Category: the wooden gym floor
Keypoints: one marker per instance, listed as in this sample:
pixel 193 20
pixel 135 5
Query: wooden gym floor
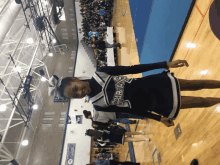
pixel 200 127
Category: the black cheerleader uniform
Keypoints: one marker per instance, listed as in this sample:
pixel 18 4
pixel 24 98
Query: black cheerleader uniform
pixel 112 135
pixel 112 92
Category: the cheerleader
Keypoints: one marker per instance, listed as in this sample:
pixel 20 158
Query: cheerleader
pixel 159 93
pixel 116 136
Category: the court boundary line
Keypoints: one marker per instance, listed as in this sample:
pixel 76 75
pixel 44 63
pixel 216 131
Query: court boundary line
pixel 199 11
pixel 183 28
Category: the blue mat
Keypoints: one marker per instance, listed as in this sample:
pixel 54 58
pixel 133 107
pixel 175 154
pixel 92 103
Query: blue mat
pixel 157 26
pixel 140 13
pixel 130 145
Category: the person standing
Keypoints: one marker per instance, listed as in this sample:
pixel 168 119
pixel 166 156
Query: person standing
pixel 111 162
pixel 104 44
pixel 159 93
pixel 111 135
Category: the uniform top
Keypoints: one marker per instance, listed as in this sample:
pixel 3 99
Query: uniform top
pixel 108 88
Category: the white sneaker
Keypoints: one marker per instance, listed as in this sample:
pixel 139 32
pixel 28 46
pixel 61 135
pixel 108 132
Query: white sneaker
pixel 142 132
pixel 147 139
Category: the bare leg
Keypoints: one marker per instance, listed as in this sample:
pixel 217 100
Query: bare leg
pixel 128 139
pixel 198 102
pixel 193 85
pixel 134 133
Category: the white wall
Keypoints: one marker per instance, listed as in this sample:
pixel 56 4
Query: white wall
pixel 83 143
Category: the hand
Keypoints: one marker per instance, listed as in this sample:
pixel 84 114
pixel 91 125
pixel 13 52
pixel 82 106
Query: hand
pixel 167 121
pixel 177 63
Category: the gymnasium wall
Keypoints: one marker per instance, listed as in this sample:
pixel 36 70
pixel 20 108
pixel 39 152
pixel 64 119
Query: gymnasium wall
pixel 75 133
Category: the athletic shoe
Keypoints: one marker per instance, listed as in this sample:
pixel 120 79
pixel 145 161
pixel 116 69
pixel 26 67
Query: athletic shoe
pixel 120 46
pixel 147 139
pixel 194 162
pixel 132 121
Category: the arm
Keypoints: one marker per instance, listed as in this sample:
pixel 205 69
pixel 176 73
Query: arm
pixel 123 70
pixel 128 110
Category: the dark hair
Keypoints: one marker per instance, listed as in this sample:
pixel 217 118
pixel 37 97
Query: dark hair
pixel 65 83
pixel 86 113
pixel 94 134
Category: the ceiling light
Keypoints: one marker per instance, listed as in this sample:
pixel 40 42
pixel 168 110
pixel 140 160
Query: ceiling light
pixel 35 106
pixel 30 41
pixel 25 143
pixel 43 79
pixel 12 5
pixel 17 69
pixel 63 17
pixel 54 41
pixel 190 45
pixel 45 2
pixel 3 107
pixel 50 54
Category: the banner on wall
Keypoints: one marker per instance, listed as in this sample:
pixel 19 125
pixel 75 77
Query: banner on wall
pixel 75 119
pixel 79 119
pixel 69 120
pixel 70 153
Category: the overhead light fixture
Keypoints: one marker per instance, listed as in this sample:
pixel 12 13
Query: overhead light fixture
pixel 35 106
pixel 50 54
pixel 42 72
pixel 45 2
pixel 63 17
pixel 17 69
pixel 204 72
pixel 25 143
pixel 190 45
pixel 43 79
pixel 54 41
pixel 18 1
pixel 13 4
pixel 3 107
pixel 30 41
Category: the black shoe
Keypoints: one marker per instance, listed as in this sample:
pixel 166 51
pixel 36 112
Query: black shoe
pixel 194 162
pixel 119 46
pixel 132 121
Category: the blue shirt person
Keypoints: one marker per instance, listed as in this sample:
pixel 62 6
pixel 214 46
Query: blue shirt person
pixel 101 12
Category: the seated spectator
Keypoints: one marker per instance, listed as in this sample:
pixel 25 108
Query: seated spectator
pixel 103 45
